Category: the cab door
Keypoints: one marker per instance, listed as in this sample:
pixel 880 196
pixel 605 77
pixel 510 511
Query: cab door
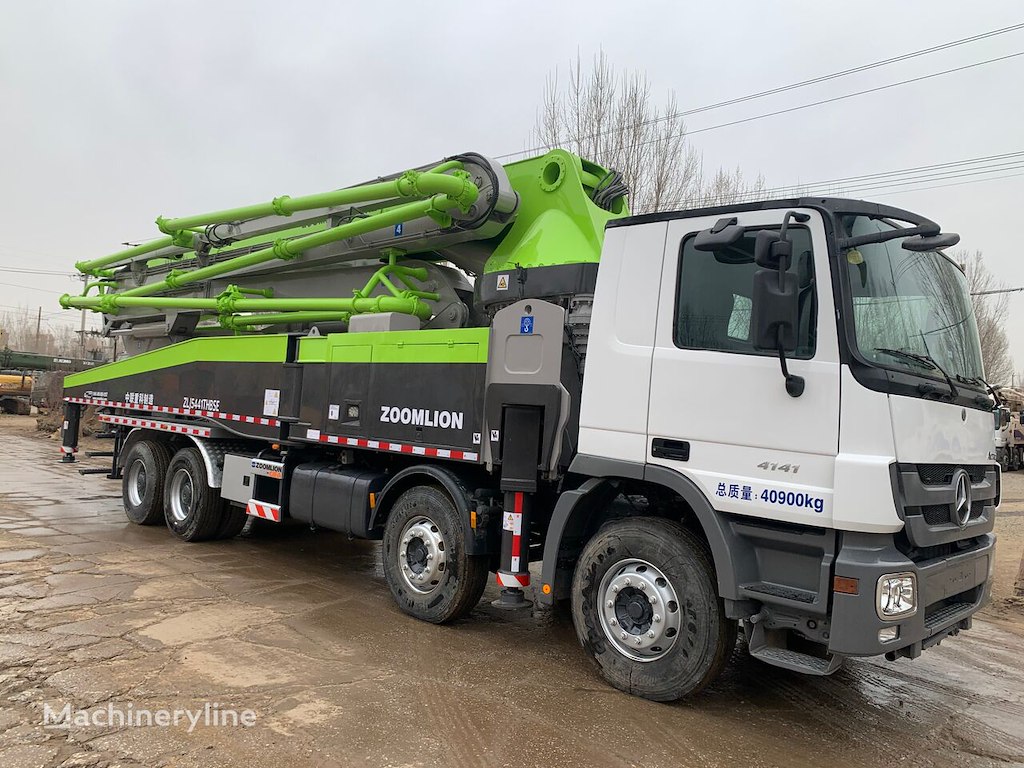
pixel 719 411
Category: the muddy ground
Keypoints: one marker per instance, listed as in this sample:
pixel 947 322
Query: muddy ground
pixel 299 628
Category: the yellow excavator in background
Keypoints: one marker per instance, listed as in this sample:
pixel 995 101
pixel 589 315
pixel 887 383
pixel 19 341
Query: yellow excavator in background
pixel 15 392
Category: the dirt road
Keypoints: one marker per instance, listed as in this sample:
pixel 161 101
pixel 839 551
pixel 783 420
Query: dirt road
pixel 299 628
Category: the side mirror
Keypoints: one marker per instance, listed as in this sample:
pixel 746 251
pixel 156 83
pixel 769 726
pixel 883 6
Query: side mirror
pixel 932 243
pixel 772 250
pixel 775 300
pixel 726 232
pixel 774 311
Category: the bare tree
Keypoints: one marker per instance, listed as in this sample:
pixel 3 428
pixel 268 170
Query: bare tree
pixel 990 312
pixel 610 118
pixel 20 333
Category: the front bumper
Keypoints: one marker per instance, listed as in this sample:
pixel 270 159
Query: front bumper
pixel 951 588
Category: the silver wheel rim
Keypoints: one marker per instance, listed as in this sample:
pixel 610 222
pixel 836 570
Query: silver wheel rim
pixel 639 610
pixel 182 495
pixel 422 555
pixel 137 477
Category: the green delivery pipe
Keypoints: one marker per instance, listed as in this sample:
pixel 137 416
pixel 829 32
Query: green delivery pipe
pixel 286 249
pixel 238 322
pixel 409 184
pixel 126 255
pixel 230 304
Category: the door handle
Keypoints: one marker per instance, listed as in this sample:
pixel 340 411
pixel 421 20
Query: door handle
pixel 677 450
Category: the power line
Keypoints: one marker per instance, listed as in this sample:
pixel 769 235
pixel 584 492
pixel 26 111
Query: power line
pixel 791 86
pixel 30 288
pixel 997 290
pixel 987 161
pixel 927 178
pixel 839 98
pixel 882 187
pixel 881 184
pixel 882 180
pixel 946 186
pixel 21 271
pixel 28 310
pixel 850 95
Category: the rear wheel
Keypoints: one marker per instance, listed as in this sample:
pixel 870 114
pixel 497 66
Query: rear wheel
pixel 646 609
pixel 425 562
pixel 142 481
pixel 193 510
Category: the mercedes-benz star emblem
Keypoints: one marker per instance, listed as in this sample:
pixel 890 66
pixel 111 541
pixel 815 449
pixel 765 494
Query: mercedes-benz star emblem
pixel 961 506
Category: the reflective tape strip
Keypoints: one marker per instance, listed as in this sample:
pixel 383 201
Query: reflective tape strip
pixel 378 445
pixel 182 411
pixel 129 421
pixel 263 511
pixel 513 579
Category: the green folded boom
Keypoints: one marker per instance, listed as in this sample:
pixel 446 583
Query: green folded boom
pixel 412 244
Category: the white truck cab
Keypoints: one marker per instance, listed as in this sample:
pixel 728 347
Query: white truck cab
pixel 849 505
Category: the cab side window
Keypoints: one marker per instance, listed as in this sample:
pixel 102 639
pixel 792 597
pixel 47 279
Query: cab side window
pixel 713 296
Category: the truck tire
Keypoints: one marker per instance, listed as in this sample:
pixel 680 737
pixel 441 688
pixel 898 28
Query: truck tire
pixel 233 522
pixel 193 510
pixel 646 609
pixel 425 562
pixel 142 482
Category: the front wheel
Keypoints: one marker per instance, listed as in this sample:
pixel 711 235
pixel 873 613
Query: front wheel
pixel 426 565
pixel 646 609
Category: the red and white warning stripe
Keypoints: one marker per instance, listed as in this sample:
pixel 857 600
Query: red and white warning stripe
pixel 128 421
pixel 263 510
pixel 512 521
pixel 262 420
pixel 513 579
pixel 387 445
pixel 516 521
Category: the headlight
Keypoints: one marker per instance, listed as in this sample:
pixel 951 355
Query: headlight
pixel 896 596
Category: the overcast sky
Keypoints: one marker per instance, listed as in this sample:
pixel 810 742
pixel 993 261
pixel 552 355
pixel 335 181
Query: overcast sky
pixel 114 112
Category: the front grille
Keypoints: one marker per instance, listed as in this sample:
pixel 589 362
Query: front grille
pixel 942 474
pixel 936 514
pixel 939 514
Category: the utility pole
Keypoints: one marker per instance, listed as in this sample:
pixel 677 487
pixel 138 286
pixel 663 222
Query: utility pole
pixel 81 333
pixel 39 324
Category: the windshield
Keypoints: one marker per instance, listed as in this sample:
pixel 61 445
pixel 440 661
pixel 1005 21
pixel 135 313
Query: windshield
pixel 910 306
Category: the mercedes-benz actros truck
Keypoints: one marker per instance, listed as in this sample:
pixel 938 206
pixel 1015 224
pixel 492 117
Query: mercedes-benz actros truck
pixel 767 417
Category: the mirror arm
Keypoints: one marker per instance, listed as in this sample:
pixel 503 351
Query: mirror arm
pixel 784 265
pixel 794 384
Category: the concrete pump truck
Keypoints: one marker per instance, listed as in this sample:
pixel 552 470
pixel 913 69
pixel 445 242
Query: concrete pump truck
pixel 485 366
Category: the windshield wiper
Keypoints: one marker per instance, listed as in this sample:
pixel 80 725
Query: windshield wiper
pixel 975 381
pixel 925 360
